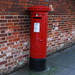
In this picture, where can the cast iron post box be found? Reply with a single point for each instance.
(38, 36)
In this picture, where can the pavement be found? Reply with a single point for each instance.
(61, 63)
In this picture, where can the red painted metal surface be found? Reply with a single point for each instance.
(38, 33)
(39, 8)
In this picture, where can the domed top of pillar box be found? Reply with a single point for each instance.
(39, 8)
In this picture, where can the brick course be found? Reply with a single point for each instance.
(15, 29)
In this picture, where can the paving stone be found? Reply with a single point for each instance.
(71, 73)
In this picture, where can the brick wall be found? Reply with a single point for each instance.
(15, 29)
(14, 41)
(61, 32)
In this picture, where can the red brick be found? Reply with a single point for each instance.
(25, 55)
(9, 64)
(2, 35)
(15, 46)
(9, 3)
(16, 27)
(9, 57)
(3, 42)
(15, 33)
(2, 21)
(20, 16)
(10, 24)
(9, 17)
(2, 55)
(16, 20)
(9, 37)
(4, 62)
(2, 17)
(16, 39)
(1, 28)
(9, 44)
(10, 40)
(10, 27)
(4, 48)
(9, 20)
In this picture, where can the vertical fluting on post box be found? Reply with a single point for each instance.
(38, 37)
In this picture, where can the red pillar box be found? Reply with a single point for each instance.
(38, 37)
